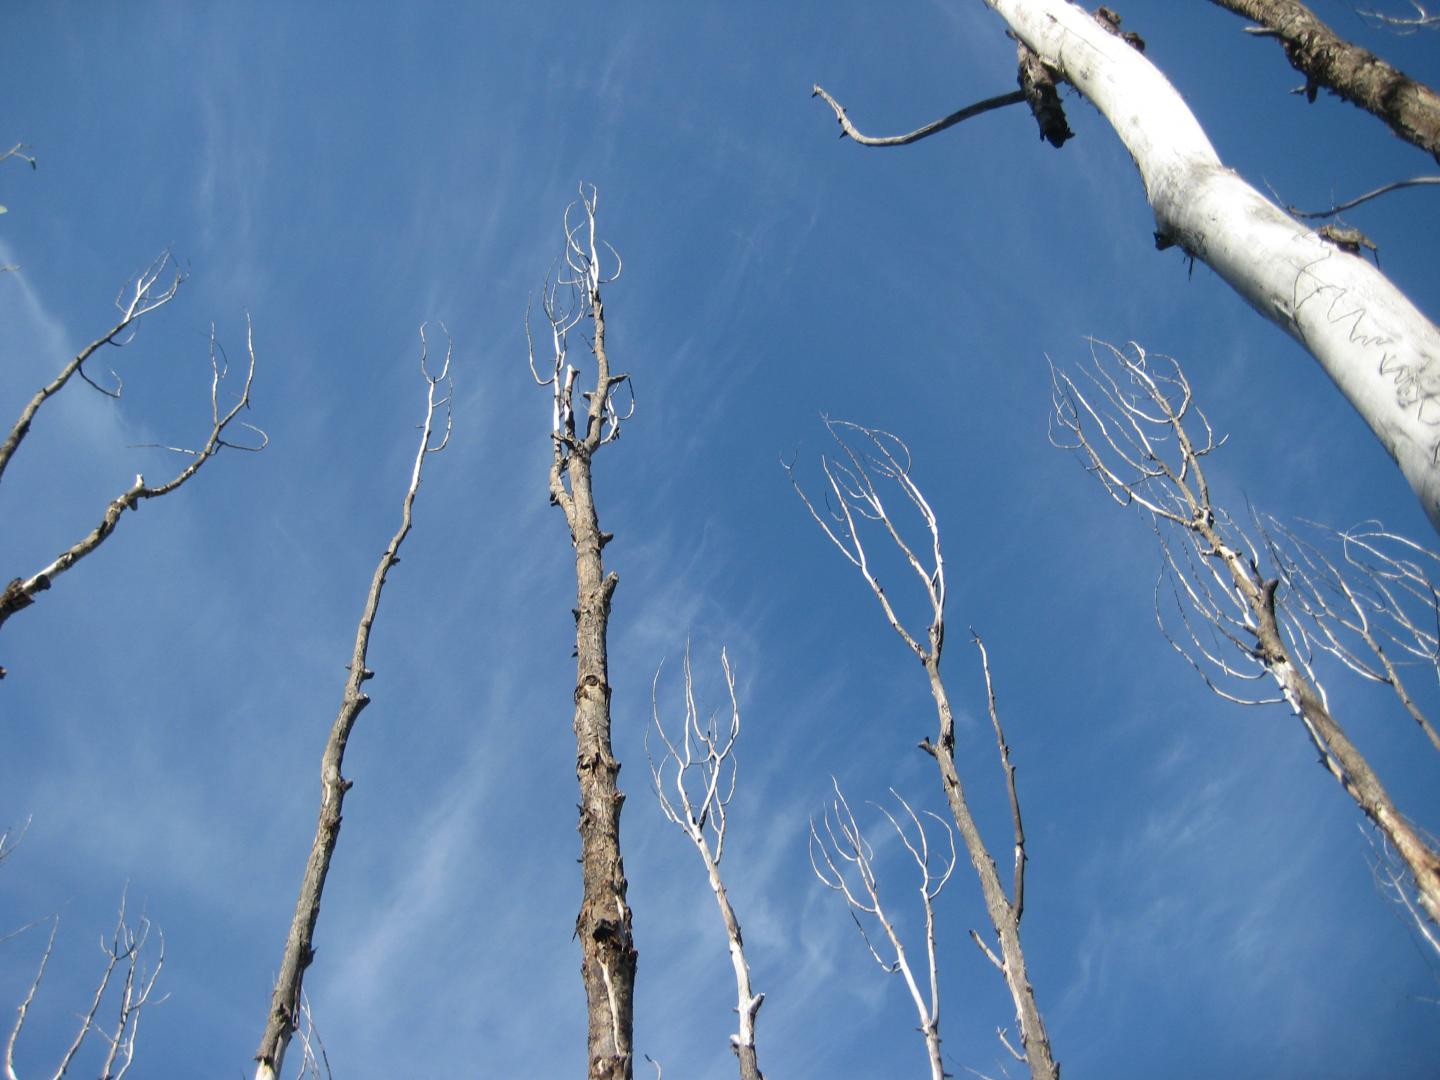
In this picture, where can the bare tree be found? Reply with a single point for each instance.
(845, 854)
(123, 952)
(1410, 108)
(853, 496)
(288, 1007)
(1135, 427)
(571, 299)
(140, 298)
(701, 771)
(1372, 341)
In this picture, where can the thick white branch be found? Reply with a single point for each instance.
(1379, 349)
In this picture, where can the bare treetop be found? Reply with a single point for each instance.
(1249, 611)
(854, 497)
(569, 298)
(695, 781)
(846, 865)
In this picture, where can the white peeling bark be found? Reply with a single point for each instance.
(1379, 349)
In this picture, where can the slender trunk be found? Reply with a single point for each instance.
(1410, 108)
(747, 1003)
(285, 1000)
(1382, 353)
(608, 954)
(1005, 917)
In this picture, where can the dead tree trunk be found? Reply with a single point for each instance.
(285, 1000)
(1410, 108)
(608, 955)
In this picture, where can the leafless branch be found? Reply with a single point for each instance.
(1340, 208)
(1392, 881)
(152, 288)
(1017, 892)
(287, 1005)
(314, 1062)
(124, 951)
(1402, 24)
(20, 592)
(1133, 437)
(846, 864)
(1376, 611)
(1015, 97)
(22, 151)
(10, 840)
(701, 772)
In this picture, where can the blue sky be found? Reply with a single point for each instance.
(1199, 900)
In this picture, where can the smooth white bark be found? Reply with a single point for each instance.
(1379, 349)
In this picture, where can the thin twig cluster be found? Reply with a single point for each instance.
(1247, 611)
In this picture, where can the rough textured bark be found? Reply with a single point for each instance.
(285, 1000)
(1005, 913)
(1410, 108)
(608, 956)
(1037, 83)
(1382, 353)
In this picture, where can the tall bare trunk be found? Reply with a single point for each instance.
(285, 999)
(607, 949)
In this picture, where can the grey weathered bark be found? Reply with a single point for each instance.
(20, 593)
(287, 1005)
(1133, 439)
(1380, 350)
(703, 816)
(608, 955)
(1410, 108)
(856, 495)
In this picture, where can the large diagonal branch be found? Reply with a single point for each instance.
(1410, 108)
(286, 1001)
(1380, 350)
